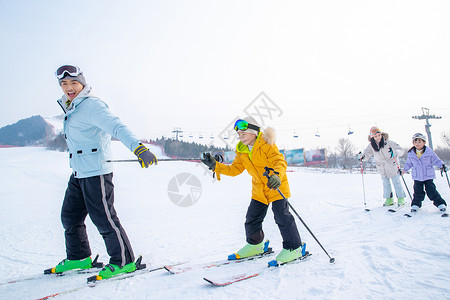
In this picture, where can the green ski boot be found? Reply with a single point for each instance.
(289, 255)
(250, 250)
(389, 202)
(111, 270)
(76, 264)
(401, 201)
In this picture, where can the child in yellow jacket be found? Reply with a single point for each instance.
(255, 151)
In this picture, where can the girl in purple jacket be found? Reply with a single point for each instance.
(422, 160)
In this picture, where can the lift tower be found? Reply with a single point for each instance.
(177, 131)
(426, 115)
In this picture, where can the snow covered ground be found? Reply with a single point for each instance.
(378, 255)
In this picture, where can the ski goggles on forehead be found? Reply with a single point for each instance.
(374, 131)
(244, 125)
(70, 70)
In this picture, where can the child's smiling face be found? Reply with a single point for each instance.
(377, 137)
(419, 143)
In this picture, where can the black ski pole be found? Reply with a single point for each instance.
(217, 157)
(364, 188)
(445, 170)
(403, 178)
(298, 216)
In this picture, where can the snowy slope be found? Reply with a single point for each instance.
(378, 255)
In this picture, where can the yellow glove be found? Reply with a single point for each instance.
(146, 158)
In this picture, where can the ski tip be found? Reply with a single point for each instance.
(444, 215)
(213, 283)
(207, 280)
(407, 215)
(367, 209)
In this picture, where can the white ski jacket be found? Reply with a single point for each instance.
(386, 159)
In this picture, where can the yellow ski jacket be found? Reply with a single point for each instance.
(263, 153)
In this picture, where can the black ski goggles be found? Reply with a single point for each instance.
(73, 71)
(244, 125)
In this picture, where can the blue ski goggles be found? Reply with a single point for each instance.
(73, 71)
(244, 125)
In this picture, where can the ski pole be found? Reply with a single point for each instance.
(445, 170)
(163, 159)
(218, 157)
(295, 212)
(364, 188)
(404, 182)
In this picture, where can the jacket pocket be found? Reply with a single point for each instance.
(87, 158)
(428, 166)
(430, 171)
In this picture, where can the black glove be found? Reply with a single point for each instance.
(361, 156)
(273, 182)
(443, 169)
(209, 161)
(146, 158)
(391, 152)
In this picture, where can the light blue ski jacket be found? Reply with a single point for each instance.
(88, 127)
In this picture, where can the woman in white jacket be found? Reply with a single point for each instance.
(385, 153)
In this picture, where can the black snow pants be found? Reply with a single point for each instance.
(93, 196)
(283, 218)
(432, 193)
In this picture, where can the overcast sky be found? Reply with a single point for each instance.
(326, 66)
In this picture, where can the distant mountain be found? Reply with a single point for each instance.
(26, 132)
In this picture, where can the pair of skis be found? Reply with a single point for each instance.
(50, 273)
(411, 214)
(396, 209)
(48, 276)
(91, 281)
(181, 269)
(393, 209)
(234, 278)
(175, 269)
(245, 276)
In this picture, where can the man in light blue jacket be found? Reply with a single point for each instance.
(88, 127)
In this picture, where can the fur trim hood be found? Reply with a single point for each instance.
(269, 135)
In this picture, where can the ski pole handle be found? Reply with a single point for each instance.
(267, 172)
